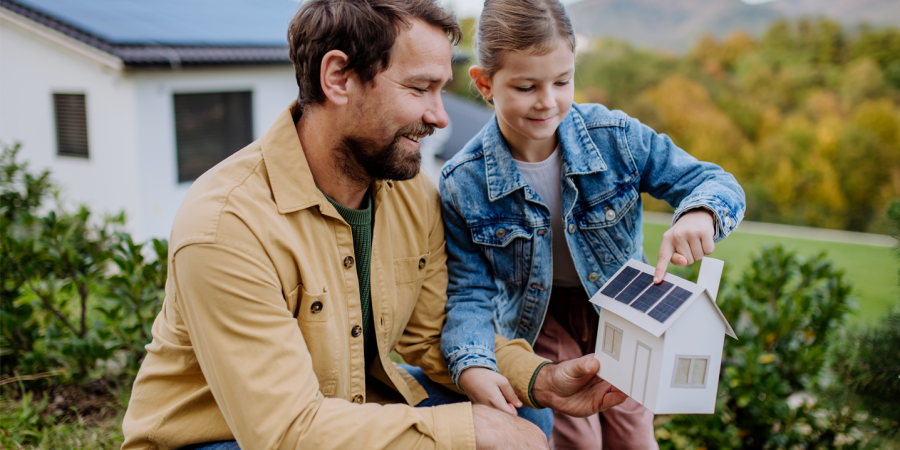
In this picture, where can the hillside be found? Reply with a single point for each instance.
(675, 25)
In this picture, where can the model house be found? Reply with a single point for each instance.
(127, 102)
(662, 343)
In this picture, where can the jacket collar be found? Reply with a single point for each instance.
(293, 186)
(580, 155)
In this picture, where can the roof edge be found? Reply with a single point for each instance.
(58, 37)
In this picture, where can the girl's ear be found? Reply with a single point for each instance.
(335, 81)
(482, 82)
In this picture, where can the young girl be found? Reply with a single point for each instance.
(543, 206)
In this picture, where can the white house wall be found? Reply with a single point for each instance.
(273, 87)
(35, 63)
(619, 373)
(699, 331)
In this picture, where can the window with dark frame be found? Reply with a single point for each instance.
(70, 112)
(209, 127)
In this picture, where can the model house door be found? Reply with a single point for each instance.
(641, 372)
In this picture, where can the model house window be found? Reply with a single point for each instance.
(209, 128)
(612, 340)
(70, 113)
(690, 371)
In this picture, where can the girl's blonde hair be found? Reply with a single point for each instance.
(520, 25)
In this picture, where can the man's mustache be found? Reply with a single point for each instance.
(420, 128)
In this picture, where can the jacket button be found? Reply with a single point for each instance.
(421, 263)
(316, 307)
(610, 214)
(571, 228)
(542, 231)
(501, 232)
(348, 262)
(593, 276)
(727, 222)
(358, 398)
(356, 331)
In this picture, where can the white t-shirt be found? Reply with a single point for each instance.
(545, 178)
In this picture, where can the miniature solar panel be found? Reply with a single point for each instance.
(670, 304)
(176, 22)
(619, 282)
(635, 288)
(651, 296)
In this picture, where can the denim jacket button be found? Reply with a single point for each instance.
(727, 222)
(500, 233)
(593, 277)
(571, 228)
(610, 215)
(542, 231)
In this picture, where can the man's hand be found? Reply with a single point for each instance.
(489, 388)
(498, 430)
(573, 387)
(687, 241)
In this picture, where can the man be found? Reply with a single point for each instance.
(300, 262)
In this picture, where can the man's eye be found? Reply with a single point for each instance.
(420, 90)
(524, 89)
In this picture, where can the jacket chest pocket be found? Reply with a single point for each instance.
(409, 275)
(508, 249)
(609, 225)
(309, 307)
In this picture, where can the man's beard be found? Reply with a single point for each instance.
(364, 159)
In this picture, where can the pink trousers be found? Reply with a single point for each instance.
(569, 331)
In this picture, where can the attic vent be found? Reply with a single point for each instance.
(71, 125)
(690, 371)
(209, 128)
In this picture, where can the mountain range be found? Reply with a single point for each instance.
(675, 25)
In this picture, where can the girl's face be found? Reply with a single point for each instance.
(532, 94)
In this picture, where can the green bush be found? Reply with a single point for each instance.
(78, 295)
(785, 310)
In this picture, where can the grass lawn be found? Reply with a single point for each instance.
(872, 270)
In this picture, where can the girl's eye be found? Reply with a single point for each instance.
(524, 89)
(562, 83)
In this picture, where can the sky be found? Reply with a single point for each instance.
(472, 8)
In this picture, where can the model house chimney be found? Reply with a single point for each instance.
(710, 275)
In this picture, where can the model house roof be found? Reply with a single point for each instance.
(630, 293)
(171, 32)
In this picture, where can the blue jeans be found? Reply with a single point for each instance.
(437, 395)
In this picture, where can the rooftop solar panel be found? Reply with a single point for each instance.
(635, 288)
(619, 282)
(670, 304)
(651, 296)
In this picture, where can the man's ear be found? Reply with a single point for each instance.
(482, 82)
(335, 81)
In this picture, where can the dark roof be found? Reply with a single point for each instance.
(466, 119)
(171, 32)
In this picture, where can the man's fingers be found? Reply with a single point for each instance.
(665, 254)
(578, 368)
(509, 394)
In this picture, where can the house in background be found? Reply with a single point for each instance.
(662, 343)
(128, 101)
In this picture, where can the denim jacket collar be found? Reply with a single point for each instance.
(580, 156)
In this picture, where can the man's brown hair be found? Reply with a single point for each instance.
(363, 29)
(532, 26)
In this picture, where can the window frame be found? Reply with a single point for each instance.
(65, 140)
(690, 385)
(617, 345)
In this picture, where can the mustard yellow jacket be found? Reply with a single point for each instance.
(255, 340)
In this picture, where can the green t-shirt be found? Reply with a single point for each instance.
(361, 222)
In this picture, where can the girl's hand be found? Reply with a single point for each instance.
(687, 241)
(486, 387)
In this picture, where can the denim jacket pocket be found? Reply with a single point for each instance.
(508, 248)
(609, 224)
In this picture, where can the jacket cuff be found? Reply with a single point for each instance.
(726, 219)
(454, 426)
(518, 363)
(466, 357)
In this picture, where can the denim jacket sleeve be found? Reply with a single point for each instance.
(671, 174)
(468, 336)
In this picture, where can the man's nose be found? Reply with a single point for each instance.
(435, 114)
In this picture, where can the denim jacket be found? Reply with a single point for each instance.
(498, 229)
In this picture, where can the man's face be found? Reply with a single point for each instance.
(399, 107)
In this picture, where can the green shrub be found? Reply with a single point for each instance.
(785, 310)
